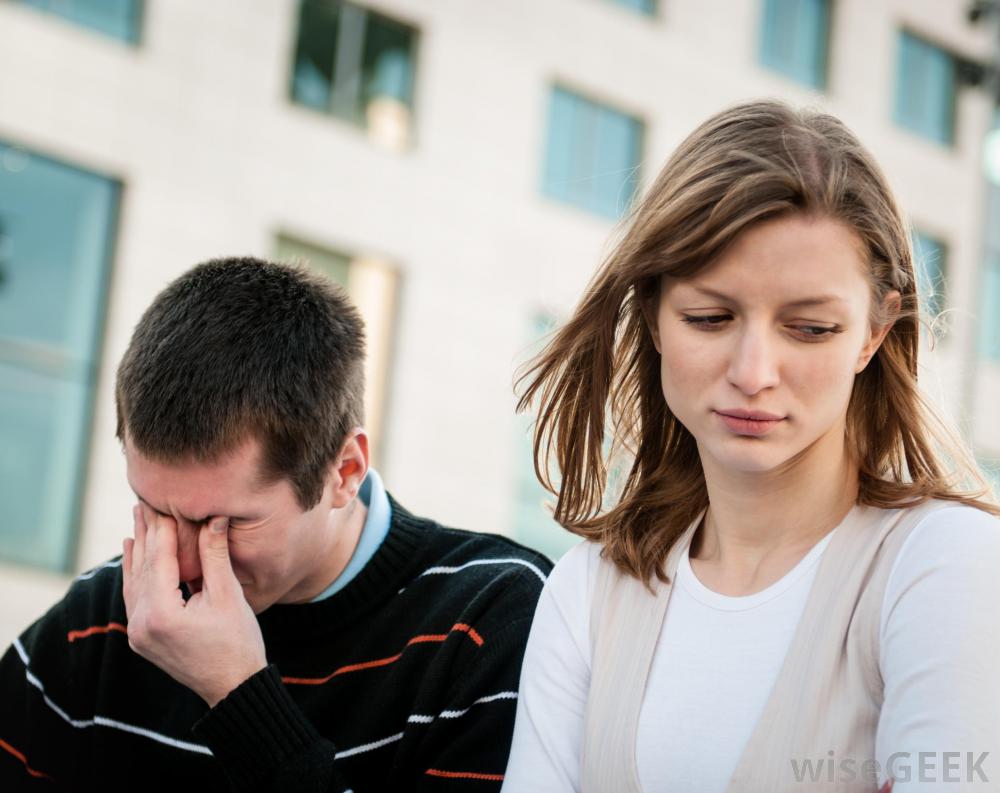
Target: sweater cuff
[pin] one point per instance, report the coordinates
(256, 729)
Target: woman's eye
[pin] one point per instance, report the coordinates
(714, 319)
(815, 331)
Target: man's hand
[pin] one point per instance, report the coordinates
(210, 644)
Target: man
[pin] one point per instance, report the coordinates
(277, 621)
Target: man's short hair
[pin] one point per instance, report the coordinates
(241, 348)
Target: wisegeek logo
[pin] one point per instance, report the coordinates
(899, 767)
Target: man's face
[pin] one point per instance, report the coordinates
(279, 552)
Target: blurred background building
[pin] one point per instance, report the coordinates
(459, 165)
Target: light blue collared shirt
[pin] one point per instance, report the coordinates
(372, 494)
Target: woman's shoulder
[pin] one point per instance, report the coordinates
(577, 567)
(953, 547)
(956, 525)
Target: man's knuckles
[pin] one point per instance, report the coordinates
(150, 626)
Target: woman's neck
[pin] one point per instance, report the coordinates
(759, 525)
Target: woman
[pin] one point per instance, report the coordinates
(796, 586)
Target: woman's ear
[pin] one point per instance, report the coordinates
(649, 305)
(877, 331)
(349, 469)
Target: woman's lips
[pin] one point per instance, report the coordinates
(748, 426)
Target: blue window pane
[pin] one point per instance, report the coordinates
(989, 314)
(533, 523)
(56, 227)
(642, 6)
(930, 263)
(592, 155)
(925, 89)
(121, 19)
(795, 39)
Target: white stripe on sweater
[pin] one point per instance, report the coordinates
(103, 721)
(418, 718)
(475, 562)
(96, 570)
(368, 746)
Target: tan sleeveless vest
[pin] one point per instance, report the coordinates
(828, 693)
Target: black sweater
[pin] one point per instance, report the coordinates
(404, 680)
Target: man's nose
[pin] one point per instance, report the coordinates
(754, 362)
(188, 561)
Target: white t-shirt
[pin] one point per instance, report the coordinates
(718, 657)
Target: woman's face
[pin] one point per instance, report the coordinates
(759, 351)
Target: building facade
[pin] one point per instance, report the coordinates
(460, 165)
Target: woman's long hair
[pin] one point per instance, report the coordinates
(753, 162)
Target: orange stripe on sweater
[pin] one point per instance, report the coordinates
(83, 634)
(7, 747)
(422, 639)
(464, 775)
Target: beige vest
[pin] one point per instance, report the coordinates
(827, 695)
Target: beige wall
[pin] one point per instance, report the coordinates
(216, 161)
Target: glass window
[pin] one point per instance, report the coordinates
(120, 19)
(989, 307)
(56, 229)
(373, 283)
(642, 6)
(532, 516)
(795, 39)
(593, 154)
(925, 89)
(989, 319)
(357, 65)
(930, 263)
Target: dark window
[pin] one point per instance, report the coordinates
(357, 65)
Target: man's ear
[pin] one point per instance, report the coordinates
(891, 304)
(349, 468)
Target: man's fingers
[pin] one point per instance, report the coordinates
(138, 555)
(127, 544)
(213, 550)
(161, 554)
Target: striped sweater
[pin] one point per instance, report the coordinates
(404, 680)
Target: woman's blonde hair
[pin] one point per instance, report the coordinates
(752, 162)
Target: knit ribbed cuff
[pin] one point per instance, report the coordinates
(256, 729)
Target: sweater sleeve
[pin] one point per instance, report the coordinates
(457, 740)
(264, 741)
(39, 740)
(555, 679)
(939, 727)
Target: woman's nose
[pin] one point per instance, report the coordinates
(754, 363)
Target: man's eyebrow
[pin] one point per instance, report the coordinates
(189, 520)
(817, 300)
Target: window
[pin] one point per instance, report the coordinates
(930, 263)
(642, 6)
(120, 19)
(372, 284)
(57, 224)
(795, 39)
(989, 319)
(592, 156)
(356, 65)
(925, 89)
(533, 523)
(989, 307)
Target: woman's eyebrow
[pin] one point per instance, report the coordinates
(816, 300)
